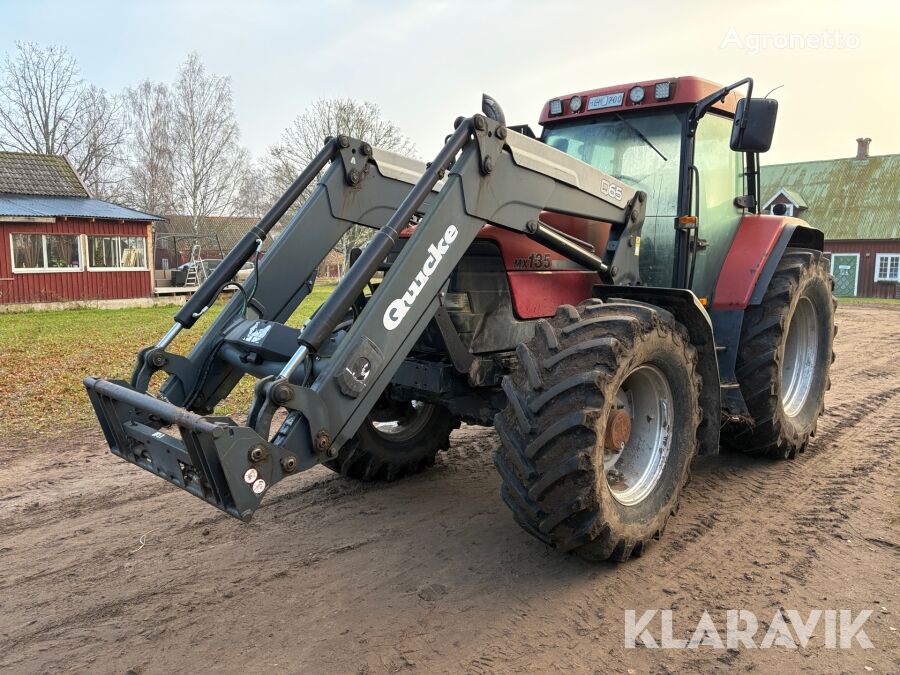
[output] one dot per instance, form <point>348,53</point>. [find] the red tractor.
<point>607,296</point>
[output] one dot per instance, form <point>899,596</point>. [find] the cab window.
<point>643,150</point>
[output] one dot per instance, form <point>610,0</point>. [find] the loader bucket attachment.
<point>212,457</point>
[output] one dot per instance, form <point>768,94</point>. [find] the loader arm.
<point>287,273</point>
<point>490,175</point>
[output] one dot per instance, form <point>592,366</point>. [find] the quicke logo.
<point>436,252</point>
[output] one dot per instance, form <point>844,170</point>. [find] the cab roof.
<point>682,90</point>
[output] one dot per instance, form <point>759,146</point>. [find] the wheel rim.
<point>633,470</point>
<point>798,367</point>
<point>402,423</point>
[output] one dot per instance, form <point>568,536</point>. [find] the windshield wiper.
<point>640,135</point>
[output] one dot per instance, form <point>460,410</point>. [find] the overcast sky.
<point>425,63</point>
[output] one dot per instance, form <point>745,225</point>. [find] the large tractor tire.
<point>784,358</point>
<point>396,440</point>
<point>600,428</point>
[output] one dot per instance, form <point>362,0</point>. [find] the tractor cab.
<point>677,140</point>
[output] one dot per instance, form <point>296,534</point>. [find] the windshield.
<point>643,150</point>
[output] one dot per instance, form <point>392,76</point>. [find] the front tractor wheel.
<point>601,427</point>
<point>784,358</point>
<point>395,440</point>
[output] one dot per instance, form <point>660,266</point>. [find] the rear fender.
<point>751,262</point>
<point>685,307</point>
<point>754,254</point>
<point>796,235</point>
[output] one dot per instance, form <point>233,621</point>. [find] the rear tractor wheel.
<point>396,440</point>
<point>784,358</point>
<point>600,429</point>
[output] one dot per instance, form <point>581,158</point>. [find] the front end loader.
<point>517,282</point>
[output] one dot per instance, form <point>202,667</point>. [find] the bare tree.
<point>98,154</point>
<point>208,159</point>
<point>149,180</point>
<point>304,137</point>
<point>254,197</point>
<point>45,107</point>
<point>41,99</point>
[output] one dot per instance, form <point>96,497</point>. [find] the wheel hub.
<point>638,435</point>
<point>401,421</point>
<point>618,430</point>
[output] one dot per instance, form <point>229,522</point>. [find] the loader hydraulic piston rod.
<point>557,241</point>
<point>320,327</point>
<point>252,240</point>
<point>170,335</point>
<point>295,361</point>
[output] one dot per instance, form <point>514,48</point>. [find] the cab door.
<point>720,172</point>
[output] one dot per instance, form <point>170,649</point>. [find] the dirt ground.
<point>105,568</point>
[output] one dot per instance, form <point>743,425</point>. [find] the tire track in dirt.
<point>303,505</point>
<point>813,492</point>
<point>725,483</point>
<point>114,608</point>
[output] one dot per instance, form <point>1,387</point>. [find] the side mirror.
<point>754,124</point>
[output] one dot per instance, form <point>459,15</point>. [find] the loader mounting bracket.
<point>490,142</point>
<point>354,158</point>
<point>273,392</point>
<point>151,360</point>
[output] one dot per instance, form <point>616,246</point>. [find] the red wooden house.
<point>855,201</point>
<point>58,244</point>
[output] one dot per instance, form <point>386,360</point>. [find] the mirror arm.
<point>753,182</point>
<point>704,104</point>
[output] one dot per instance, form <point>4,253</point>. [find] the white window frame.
<point>856,278</point>
<point>46,270</point>
<point>788,209</point>
<point>793,206</point>
<point>87,249</point>
<point>878,257</point>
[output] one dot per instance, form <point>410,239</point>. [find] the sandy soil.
<point>104,568</point>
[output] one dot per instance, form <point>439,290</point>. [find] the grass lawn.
<point>45,355</point>
<point>869,301</point>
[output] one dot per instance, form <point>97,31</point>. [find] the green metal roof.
<point>846,198</point>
